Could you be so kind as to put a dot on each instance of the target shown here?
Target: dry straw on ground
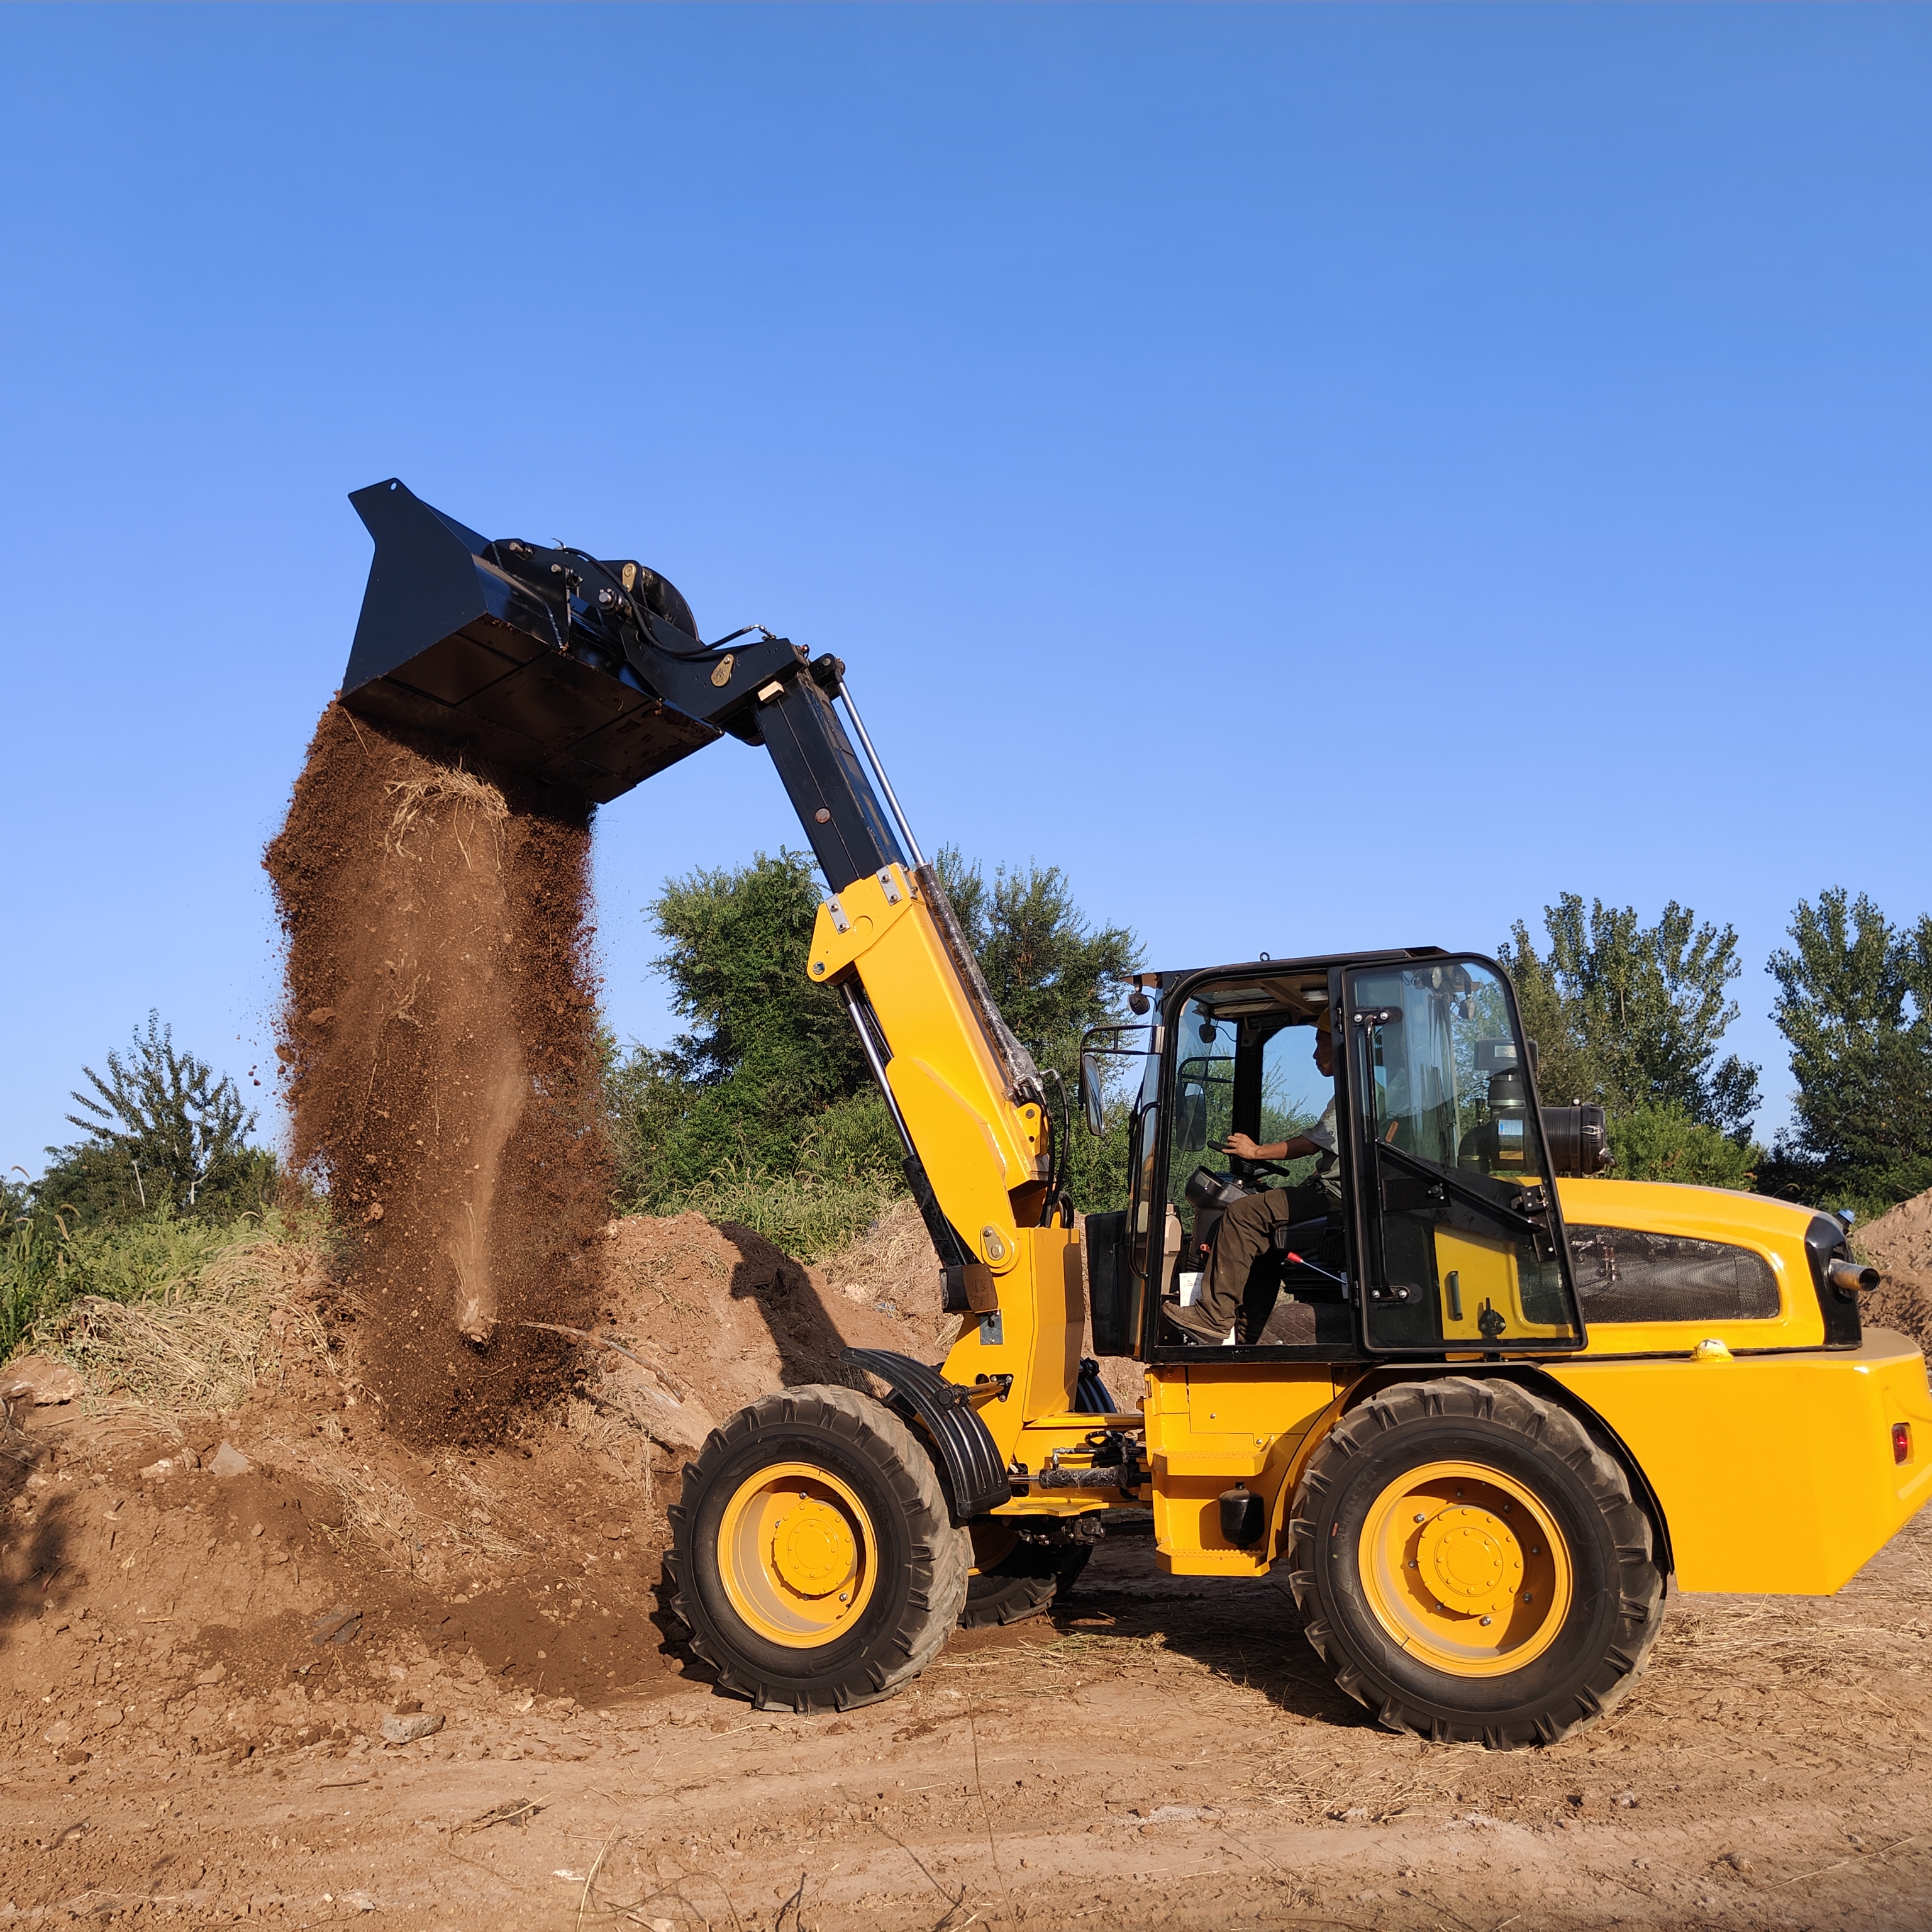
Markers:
(204, 1341)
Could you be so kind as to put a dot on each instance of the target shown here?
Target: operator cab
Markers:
(1431, 1228)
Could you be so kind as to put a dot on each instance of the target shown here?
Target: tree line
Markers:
(766, 1092)
(763, 1109)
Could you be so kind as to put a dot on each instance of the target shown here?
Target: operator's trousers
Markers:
(1242, 1239)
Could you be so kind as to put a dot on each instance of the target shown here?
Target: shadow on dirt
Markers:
(1246, 1631)
(802, 1329)
(34, 1550)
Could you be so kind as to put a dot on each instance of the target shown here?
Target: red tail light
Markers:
(1901, 1442)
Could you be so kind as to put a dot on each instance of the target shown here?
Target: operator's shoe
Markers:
(1192, 1324)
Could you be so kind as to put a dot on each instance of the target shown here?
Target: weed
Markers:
(808, 1215)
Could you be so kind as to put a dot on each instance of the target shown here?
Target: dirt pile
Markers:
(1899, 1245)
(439, 1050)
(712, 1316)
(266, 1584)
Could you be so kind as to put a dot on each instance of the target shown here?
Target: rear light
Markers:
(1901, 1442)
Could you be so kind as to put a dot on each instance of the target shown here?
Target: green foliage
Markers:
(161, 1135)
(1854, 1001)
(1664, 1143)
(764, 1112)
(809, 1213)
(768, 1053)
(48, 1260)
(1630, 1016)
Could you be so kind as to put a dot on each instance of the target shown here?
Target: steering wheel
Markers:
(1247, 1166)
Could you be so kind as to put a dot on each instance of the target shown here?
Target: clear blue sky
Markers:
(1324, 478)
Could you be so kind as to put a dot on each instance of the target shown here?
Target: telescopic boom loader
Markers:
(1478, 1500)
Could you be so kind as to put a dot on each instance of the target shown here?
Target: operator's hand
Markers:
(1242, 1146)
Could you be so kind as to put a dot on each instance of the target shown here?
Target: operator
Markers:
(1242, 1236)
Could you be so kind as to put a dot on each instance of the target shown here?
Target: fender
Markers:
(1551, 1391)
(970, 1465)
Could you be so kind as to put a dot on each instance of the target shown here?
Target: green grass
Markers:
(46, 1272)
(809, 1216)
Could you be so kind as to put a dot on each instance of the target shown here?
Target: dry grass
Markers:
(450, 785)
(890, 1266)
(205, 1339)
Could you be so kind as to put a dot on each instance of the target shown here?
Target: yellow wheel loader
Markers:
(1482, 1407)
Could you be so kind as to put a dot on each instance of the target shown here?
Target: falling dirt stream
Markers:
(439, 1048)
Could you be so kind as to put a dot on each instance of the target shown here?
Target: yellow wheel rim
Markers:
(993, 1542)
(1466, 1569)
(797, 1555)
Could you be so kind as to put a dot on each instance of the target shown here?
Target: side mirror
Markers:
(1090, 1093)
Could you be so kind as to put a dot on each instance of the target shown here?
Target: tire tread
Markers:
(1557, 1433)
(942, 1554)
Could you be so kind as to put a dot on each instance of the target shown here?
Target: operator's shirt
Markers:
(1323, 1134)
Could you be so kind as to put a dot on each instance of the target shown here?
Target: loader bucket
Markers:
(485, 645)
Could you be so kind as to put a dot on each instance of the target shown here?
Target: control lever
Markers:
(1315, 1268)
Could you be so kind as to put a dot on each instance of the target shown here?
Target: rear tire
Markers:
(1473, 1565)
(1015, 1578)
(814, 1560)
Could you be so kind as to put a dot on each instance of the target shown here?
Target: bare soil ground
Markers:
(196, 1671)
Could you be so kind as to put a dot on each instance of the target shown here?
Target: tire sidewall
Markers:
(1590, 1625)
(818, 1668)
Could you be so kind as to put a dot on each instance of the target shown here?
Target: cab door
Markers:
(1461, 1234)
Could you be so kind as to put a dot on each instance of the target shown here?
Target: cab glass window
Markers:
(1204, 1090)
(1468, 1238)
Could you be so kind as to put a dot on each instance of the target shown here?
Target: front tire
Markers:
(814, 1560)
(1473, 1565)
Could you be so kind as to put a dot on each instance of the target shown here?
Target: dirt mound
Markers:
(439, 1048)
(1899, 1245)
(174, 1585)
(714, 1316)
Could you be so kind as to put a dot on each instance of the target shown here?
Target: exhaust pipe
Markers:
(1849, 1279)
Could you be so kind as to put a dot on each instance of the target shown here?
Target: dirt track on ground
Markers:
(1164, 1752)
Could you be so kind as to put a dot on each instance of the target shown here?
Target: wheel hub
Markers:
(797, 1554)
(813, 1548)
(1471, 1559)
(1464, 1567)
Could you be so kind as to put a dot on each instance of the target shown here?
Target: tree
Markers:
(161, 1135)
(768, 1080)
(1664, 1143)
(768, 1053)
(1050, 973)
(1854, 1001)
(1631, 1016)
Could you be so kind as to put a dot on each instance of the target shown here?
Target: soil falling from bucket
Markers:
(439, 1049)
